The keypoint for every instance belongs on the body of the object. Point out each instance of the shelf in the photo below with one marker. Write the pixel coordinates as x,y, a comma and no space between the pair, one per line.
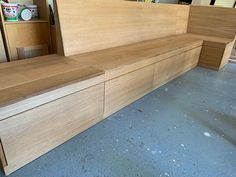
23,22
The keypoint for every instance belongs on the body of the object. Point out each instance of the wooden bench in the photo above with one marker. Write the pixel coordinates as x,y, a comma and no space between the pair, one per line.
144,67
109,58
217,27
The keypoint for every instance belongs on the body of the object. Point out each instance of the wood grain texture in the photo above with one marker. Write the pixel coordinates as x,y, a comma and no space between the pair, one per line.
3,162
233,54
31,134
32,51
212,41
167,69
26,34
36,100
3,57
212,21
124,59
211,57
122,91
91,25
226,55
33,77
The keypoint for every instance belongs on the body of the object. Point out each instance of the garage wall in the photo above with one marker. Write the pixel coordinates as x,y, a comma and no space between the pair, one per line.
21,1
169,1
227,3
201,2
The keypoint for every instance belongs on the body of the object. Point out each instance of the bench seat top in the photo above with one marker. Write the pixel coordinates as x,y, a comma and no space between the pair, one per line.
212,41
25,78
124,59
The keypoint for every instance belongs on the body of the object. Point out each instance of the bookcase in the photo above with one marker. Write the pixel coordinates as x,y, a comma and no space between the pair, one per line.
27,38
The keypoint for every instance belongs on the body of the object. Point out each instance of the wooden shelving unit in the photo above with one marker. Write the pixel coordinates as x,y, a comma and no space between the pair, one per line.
21,34
31,21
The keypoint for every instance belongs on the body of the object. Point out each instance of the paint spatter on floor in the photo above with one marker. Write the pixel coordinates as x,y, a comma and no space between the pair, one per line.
207,134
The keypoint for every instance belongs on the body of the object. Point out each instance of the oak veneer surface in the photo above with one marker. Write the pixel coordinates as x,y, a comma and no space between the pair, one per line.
215,58
122,91
3,162
212,41
124,59
93,25
28,34
212,21
27,78
31,134
227,54
167,69
211,57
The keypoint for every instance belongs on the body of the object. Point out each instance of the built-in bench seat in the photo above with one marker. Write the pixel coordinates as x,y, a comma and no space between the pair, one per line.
212,41
54,93
121,60
215,51
114,52
29,78
44,102
133,70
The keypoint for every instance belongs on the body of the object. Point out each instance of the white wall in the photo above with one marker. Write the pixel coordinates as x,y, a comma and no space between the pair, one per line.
21,1
169,1
225,3
201,2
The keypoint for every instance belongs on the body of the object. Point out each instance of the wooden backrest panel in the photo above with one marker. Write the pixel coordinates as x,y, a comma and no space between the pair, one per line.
99,24
213,21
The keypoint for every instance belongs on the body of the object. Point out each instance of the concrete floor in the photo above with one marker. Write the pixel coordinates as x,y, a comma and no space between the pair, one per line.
186,128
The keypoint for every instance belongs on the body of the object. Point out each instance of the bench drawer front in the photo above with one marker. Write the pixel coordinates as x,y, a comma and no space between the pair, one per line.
121,91
211,57
172,67
31,134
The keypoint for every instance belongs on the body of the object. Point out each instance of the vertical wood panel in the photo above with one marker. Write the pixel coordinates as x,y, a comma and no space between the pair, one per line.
226,55
174,66
29,135
94,25
122,91
211,57
212,21
3,162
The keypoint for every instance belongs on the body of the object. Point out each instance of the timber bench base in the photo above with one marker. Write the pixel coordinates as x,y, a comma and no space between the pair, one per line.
34,125
111,54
